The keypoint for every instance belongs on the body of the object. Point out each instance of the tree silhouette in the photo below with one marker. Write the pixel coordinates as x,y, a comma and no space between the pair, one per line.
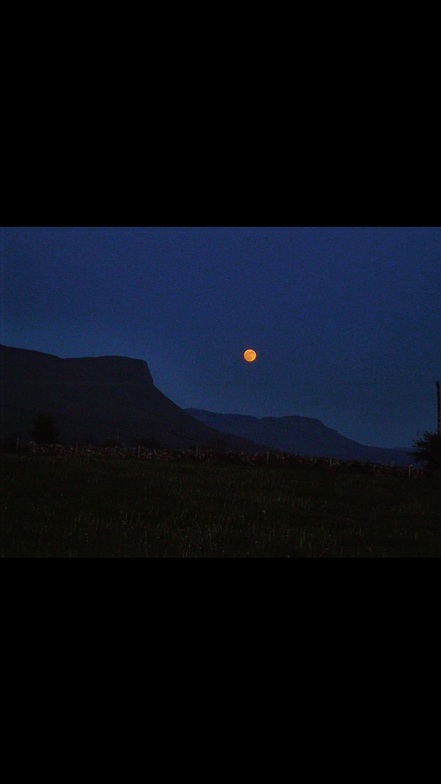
428,450
43,430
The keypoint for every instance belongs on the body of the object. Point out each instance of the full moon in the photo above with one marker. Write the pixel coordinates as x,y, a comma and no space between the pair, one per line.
249,355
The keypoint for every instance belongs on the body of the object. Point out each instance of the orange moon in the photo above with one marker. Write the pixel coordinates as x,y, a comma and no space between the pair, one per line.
249,355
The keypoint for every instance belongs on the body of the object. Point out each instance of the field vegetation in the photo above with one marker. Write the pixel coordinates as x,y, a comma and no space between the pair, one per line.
68,505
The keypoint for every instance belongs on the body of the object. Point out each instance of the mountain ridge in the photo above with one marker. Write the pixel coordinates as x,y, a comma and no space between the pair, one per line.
97,399
301,435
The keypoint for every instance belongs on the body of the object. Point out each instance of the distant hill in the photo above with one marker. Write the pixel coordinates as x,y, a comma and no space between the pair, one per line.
301,436
109,398
96,399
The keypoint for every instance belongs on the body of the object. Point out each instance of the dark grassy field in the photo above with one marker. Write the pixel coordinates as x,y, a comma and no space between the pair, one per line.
109,507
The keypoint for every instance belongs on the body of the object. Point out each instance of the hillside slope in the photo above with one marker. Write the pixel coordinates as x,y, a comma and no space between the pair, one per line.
95,399
299,435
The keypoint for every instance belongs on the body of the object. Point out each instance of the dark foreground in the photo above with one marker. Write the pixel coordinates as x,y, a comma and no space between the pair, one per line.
106,506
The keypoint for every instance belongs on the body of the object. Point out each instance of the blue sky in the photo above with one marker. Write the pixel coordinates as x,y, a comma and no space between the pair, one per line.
346,321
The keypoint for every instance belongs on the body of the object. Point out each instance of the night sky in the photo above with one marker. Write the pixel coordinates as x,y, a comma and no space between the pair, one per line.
346,322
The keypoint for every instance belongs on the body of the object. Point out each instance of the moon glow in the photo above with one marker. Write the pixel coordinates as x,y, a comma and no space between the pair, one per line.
249,355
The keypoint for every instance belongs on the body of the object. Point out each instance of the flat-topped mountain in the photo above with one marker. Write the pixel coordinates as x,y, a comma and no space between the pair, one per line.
24,364
113,398
94,400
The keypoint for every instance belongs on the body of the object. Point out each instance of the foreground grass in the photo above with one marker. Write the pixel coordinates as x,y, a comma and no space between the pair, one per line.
110,507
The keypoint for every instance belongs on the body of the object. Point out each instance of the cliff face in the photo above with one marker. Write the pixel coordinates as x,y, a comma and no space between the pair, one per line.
89,398
95,399
107,370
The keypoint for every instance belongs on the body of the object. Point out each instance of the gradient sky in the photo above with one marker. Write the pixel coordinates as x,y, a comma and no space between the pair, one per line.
346,321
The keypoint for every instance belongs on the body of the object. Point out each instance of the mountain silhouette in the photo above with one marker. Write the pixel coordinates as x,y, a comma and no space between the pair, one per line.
96,400
301,436
112,398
